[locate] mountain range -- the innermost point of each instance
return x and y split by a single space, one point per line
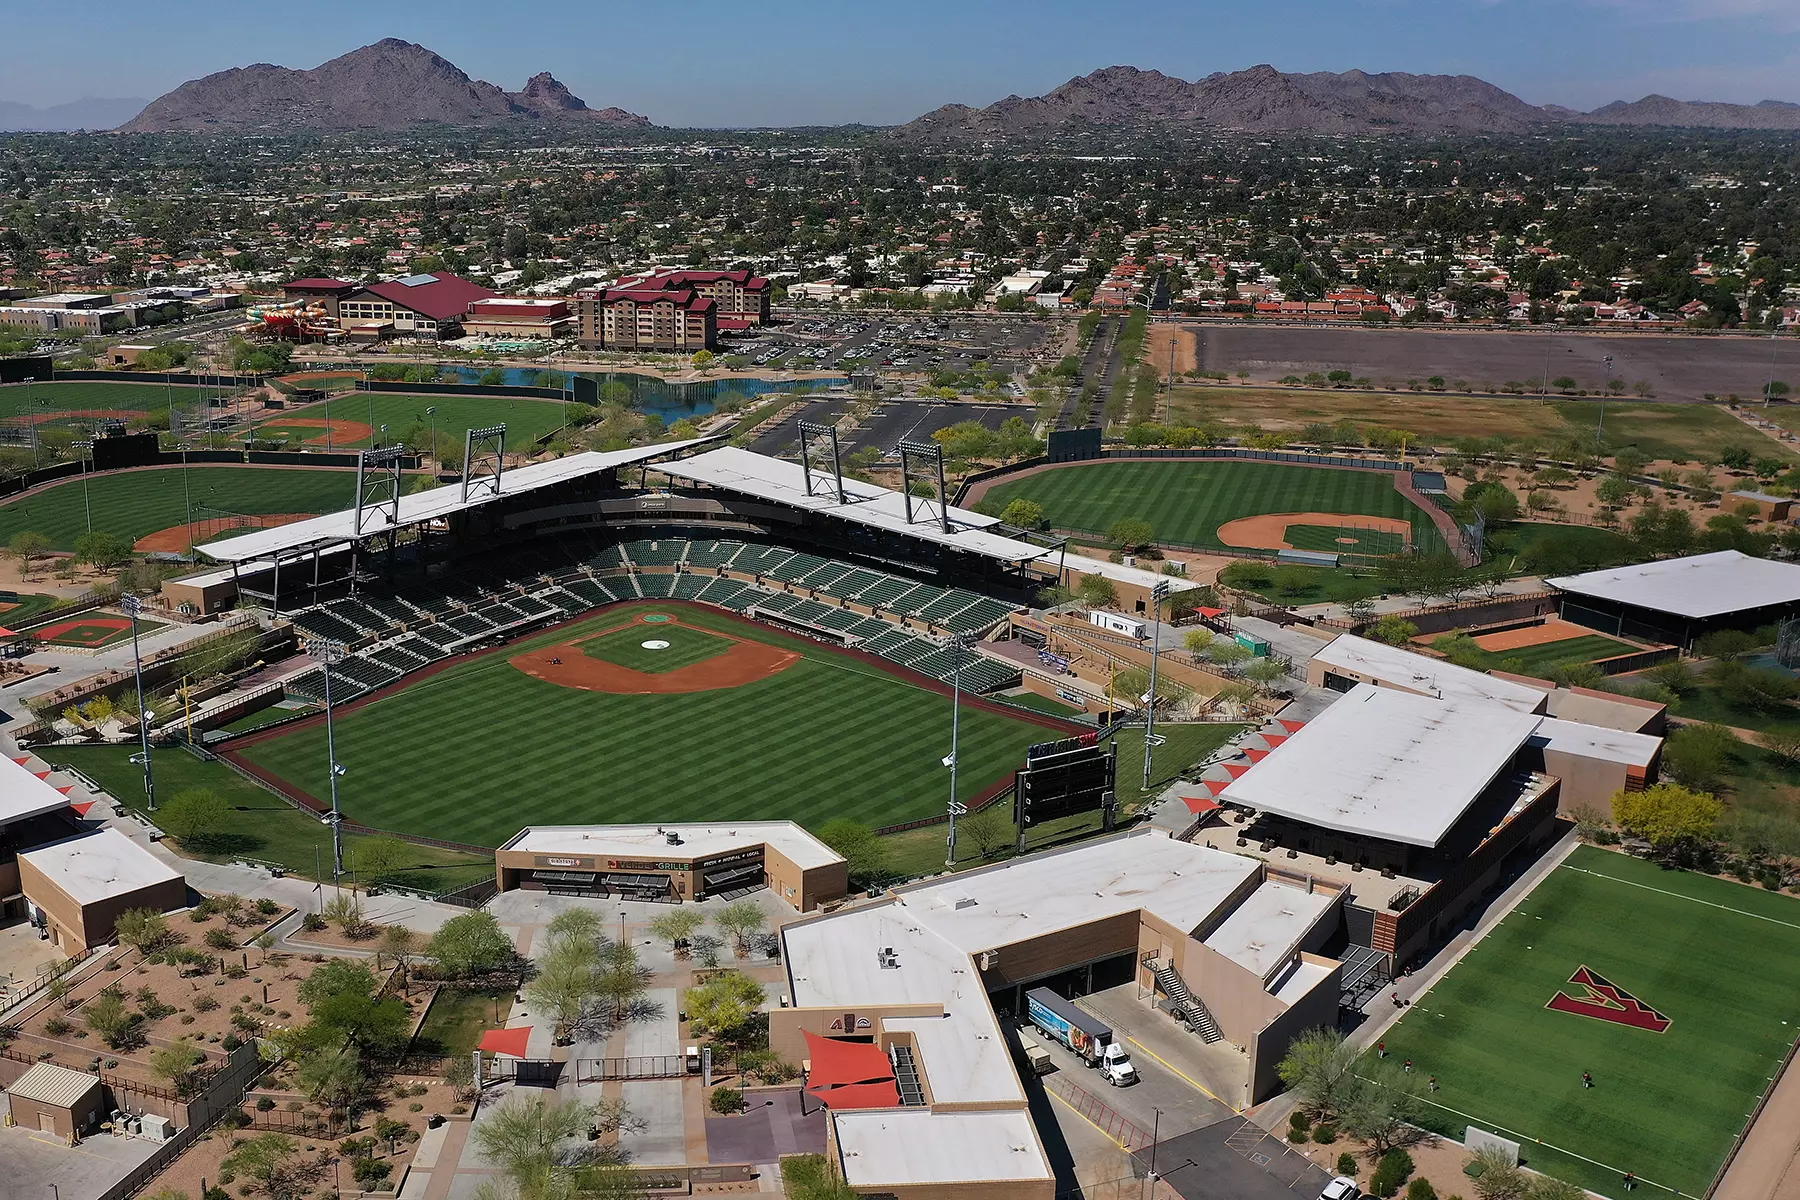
389 85
1264 100
89 112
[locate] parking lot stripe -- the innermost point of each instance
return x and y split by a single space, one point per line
1190 1080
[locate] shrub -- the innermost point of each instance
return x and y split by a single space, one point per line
1347 1164
371 1171
1420 1189
264 1103
312 923
1392 1171
1297 1120
727 1100
57 1026
220 939
1325 1134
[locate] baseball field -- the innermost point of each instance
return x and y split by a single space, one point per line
1678 993
525 420
593 723
135 504
1186 501
122 399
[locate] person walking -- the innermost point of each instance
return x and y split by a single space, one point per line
1433 1082
1409 1066
1587 1080
1380 1049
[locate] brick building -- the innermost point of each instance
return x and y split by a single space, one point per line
676 320
742 299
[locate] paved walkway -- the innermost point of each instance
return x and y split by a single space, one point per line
1767 1166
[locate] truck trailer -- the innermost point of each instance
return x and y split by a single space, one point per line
1086 1035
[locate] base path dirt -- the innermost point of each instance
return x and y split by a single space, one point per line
174 539
1532 635
331 429
569 666
1269 531
1158 341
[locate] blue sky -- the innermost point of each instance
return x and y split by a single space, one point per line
805 61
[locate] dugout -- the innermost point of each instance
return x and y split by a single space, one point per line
1679 600
671 864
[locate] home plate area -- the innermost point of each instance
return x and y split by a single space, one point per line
655 654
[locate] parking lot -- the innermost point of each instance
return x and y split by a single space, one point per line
884 427
899 344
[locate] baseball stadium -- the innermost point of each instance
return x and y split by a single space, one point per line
675 631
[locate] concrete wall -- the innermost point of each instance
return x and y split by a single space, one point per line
1023 961
1318 1007
804 889
1588 784
787 1025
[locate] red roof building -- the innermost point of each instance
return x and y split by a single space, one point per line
327 293
739 295
675 320
424 305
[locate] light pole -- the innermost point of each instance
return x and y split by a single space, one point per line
1155 1130
1156 600
1600 429
431 412
132 606
87 460
1769 387
32 413
956 809
187 496
329 652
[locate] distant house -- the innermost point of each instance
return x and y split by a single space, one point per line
422 305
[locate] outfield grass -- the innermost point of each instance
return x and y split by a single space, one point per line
1541 659
265 826
136 503
476 752
625 648
1720 959
1559 549
1186 500
525 420
23 606
126 398
1290 583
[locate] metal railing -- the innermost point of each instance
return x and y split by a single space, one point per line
1098 1113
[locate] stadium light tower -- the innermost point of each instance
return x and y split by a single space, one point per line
329 652
87 468
957 642
131 606
1157 595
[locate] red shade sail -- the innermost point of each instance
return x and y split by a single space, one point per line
859 1095
1292 726
838 1063
1255 755
1272 740
1199 804
1236 770
1215 786
507 1041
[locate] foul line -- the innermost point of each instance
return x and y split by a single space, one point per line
1677 895
1620 1171
1177 1070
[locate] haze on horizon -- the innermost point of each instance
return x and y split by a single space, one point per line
804 62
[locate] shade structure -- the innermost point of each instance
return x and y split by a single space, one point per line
1236 769
837 1063
1255 755
1210 612
1291 726
1200 804
507 1041
1272 740
1215 786
859 1095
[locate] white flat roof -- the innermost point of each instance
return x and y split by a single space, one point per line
23 794
91 867
783 482
1386 764
1700 585
425 506
895 1147
1596 741
1422 673
1264 932
697 841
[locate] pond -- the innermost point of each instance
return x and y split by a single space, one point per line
649 394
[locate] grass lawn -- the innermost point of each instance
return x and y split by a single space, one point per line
921 851
1537 660
123 397
454 1024
482 749
525 420
1721 960
19 607
1186 500
1674 431
1558 549
265 716
1293 584
682 648
1336 539
1704 703
267 827
136 503
1043 704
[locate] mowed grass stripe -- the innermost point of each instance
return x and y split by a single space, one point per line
525 420
1186 500
478 751
136 503
16 400
1726 970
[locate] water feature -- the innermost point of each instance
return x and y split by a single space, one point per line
649 394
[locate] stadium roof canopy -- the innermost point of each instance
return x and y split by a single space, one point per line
1698 586
340 527
781 482
1387 764
23 795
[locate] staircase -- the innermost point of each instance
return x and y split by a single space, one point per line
1185 1002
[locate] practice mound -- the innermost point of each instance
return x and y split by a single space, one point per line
174 539
90 632
1270 530
655 655
333 429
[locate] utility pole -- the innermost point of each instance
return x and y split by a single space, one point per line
1157 594
1769 388
132 606
956 808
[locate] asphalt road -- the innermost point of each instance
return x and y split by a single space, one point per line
1677 367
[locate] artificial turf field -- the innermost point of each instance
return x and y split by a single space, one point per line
479 750
1548 656
1186 500
136 503
1720 959
525 420
92 632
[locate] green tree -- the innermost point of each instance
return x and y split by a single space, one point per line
620 978
469 945
1131 533
376 857
1670 817
331 1076
529 1140
198 817
990 829
725 1005
107 1015
1394 631
103 550
1024 514
273 1161
741 920
1195 641
143 929
680 924
1384 1105
703 359
1097 591
1700 756
1496 1177
1319 1069
26 545
863 850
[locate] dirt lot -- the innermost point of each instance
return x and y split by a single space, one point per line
1676 366
1161 337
